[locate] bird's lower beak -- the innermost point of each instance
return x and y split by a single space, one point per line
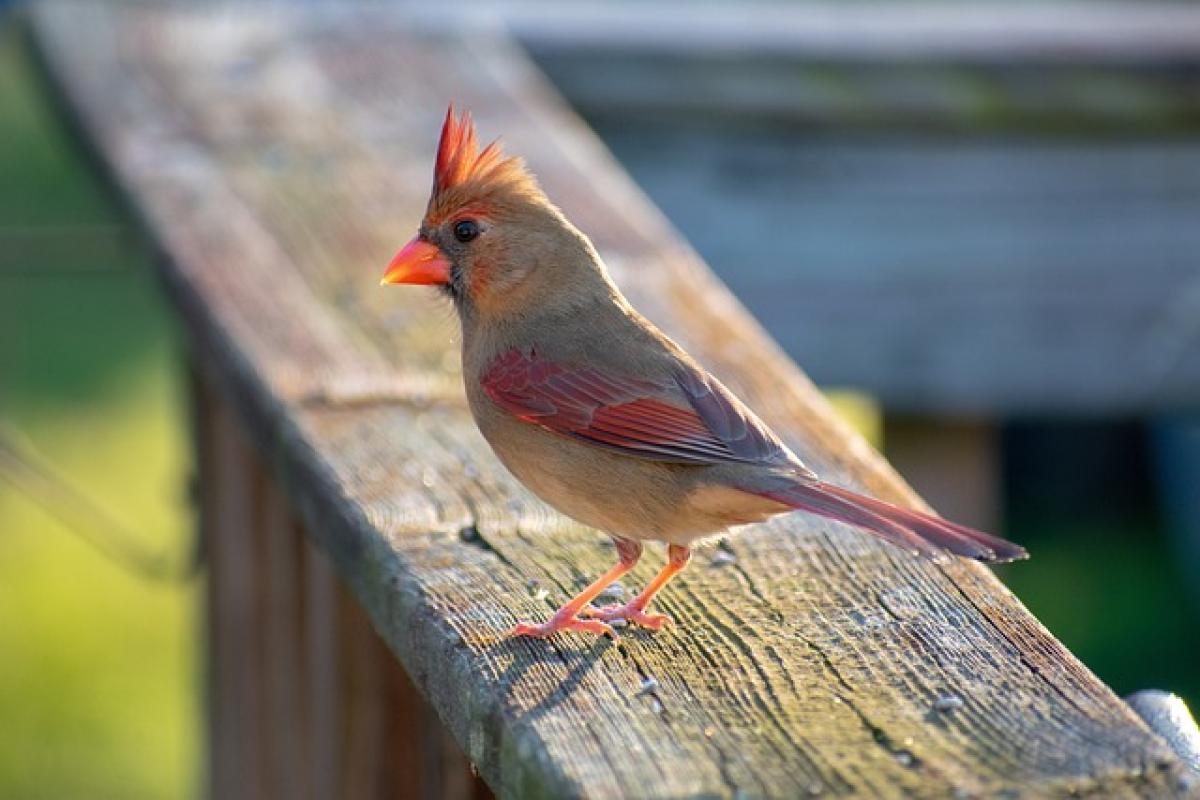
418 262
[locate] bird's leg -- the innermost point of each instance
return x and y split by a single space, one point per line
635 610
567 617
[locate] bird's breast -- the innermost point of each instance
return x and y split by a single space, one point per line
624 496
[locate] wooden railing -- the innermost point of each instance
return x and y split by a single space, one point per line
277 158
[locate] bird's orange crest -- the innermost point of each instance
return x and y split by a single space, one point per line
456 155
461 165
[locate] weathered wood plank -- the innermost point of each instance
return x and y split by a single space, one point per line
237 751
800 633
320 660
280 632
333 716
817 661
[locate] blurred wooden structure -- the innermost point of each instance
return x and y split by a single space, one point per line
1060 65
277 157
305 701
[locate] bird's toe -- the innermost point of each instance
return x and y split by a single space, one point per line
593 626
608 613
630 613
651 620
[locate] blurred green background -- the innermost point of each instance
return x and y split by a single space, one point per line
100 669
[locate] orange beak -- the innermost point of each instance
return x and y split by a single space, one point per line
418 262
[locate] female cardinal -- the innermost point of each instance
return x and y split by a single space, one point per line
592 407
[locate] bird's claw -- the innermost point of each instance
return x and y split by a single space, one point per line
555 624
631 613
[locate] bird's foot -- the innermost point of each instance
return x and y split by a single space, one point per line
563 623
630 612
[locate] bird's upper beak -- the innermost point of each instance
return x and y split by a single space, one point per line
418 262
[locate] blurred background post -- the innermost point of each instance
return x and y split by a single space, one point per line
1002 200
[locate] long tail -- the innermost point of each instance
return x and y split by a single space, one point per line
911 530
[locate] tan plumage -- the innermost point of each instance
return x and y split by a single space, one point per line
595 409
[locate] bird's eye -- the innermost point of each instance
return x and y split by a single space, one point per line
466 230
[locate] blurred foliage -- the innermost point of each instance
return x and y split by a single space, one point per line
1113 595
861 411
1105 575
98 672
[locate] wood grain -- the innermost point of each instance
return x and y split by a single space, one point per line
278 159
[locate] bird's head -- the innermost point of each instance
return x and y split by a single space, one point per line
490 238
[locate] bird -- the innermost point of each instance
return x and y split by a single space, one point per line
598 412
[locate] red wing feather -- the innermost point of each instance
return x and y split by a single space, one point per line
683 422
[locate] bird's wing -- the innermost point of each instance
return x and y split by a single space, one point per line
688 418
